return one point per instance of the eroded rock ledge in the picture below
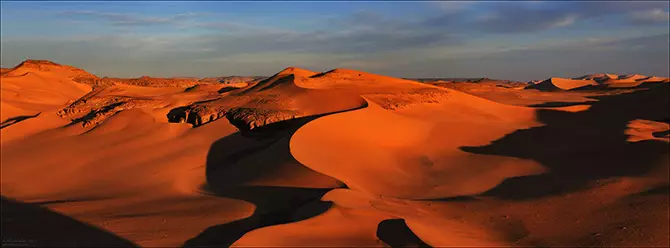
(243, 118)
(94, 110)
(394, 101)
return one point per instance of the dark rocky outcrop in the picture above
(243, 118)
(91, 111)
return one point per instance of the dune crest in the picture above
(556, 84)
(600, 77)
(416, 148)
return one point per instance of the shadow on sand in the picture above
(558, 104)
(396, 233)
(584, 146)
(274, 206)
(17, 119)
(268, 146)
(29, 225)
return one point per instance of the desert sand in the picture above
(341, 158)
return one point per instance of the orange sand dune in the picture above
(643, 78)
(557, 84)
(274, 99)
(655, 79)
(632, 77)
(33, 89)
(632, 81)
(520, 97)
(336, 227)
(35, 86)
(621, 83)
(339, 158)
(603, 76)
(131, 175)
(631, 185)
(640, 130)
(132, 162)
(414, 150)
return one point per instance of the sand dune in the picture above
(138, 177)
(336, 158)
(35, 86)
(272, 100)
(31, 90)
(640, 130)
(599, 77)
(596, 82)
(556, 84)
(652, 79)
(634, 77)
(621, 83)
(340, 227)
(642, 78)
(414, 151)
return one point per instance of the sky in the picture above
(516, 40)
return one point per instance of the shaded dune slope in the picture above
(28, 225)
(603, 154)
(130, 175)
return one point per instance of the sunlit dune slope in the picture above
(35, 86)
(130, 175)
(415, 145)
(32, 90)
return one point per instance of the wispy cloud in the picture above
(651, 16)
(507, 17)
(232, 27)
(539, 16)
(457, 38)
(453, 6)
(125, 19)
(525, 21)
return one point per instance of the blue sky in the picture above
(508, 40)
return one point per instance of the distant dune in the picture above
(598, 77)
(341, 158)
(595, 82)
(554, 84)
